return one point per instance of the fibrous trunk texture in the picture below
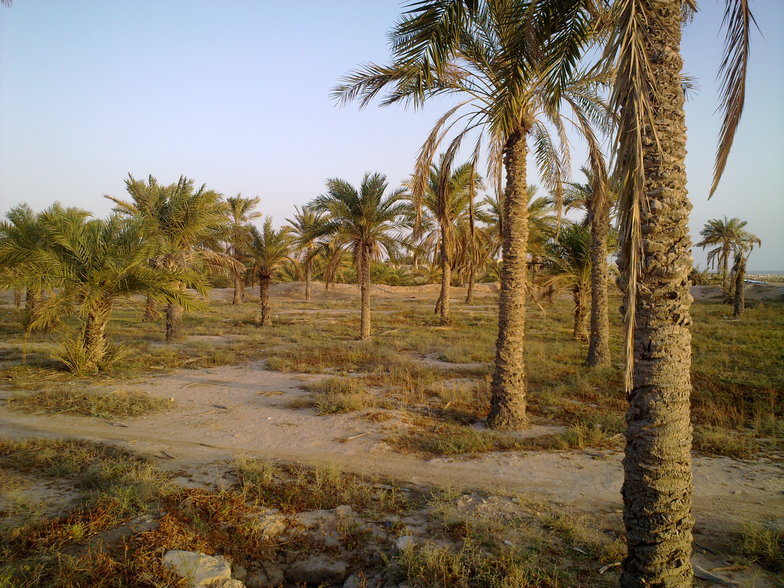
(470, 292)
(599, 344)
(32, 302)
(364, 293)
(239, 288)
(94, 339)
(308, 272)
(657, 485)
(17, 299)
(740, 295)
(264, 299)
(508, 387)
(580, 330)
(442, 304)
(150, 312)
(173, 322)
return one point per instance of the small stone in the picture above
(405, 542)
(271, 525)
(319, 569)
(198, 568)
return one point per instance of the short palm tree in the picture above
(362, 220)
(722, 235)
(185, 224)
(239, 212)
(567, 264)
(305, 225)
(503, 60)
(92, 264)
(269, 248)
(741, 248)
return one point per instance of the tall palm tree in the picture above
(448, 198)
(185, 224)
(567, 264)
(503, 59)
(594, 197)
(362, 221)
(239, 212)
(655, 261)
(269, 248)
(305, 226)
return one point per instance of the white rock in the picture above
(200, 569)
(405, 542)
(270, 525)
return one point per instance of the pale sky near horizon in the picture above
(235, 94)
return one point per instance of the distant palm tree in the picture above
(269, 248)
(305, 226)
(237, 232)
(362, 221)
(567, 264)
(724, 234)
(185, 224)
(742, 248)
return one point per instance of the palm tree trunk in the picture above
(264, 299)
(580, 330)
(150, 313)
(508, 387)
(238, 287)
(599, 345)
(470, 292)
(364, 293)
(740, 295)
(308, 272)
(442, 304)
(94, 339)
(17, 299)
(173, 322)
(32, 301)
(657, 487)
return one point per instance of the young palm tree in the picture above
(362, 220)
(504, 61)
(269, 248)
(237, 232)
(90, 264)
(655, 261)
(568, 265)
(185, 225)
(305, 226)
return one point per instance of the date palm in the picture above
(185, 225)
(742, 248)
(362, 221)
(503, 60)
(269, 248)
(239, 212)
(655, 262)
(305, 225)
(722, 235)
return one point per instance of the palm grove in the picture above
(520, 74)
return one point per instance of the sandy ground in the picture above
(224, 412)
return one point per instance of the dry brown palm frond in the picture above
(737, 19)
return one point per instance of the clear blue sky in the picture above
(235, 94)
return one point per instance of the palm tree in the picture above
(269, 248)
(185, 225)
(655, 261)
(594, 197)
(448, 198)
(504, 59)
(724, 234)
(237, 232)
(362, 220)
(568, 265)
(742, 248)
(305, 226)
(90, 264)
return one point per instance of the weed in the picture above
(764, 546)
(113, 404)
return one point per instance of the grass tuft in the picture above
(115, 404)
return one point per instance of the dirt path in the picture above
(220, 413)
